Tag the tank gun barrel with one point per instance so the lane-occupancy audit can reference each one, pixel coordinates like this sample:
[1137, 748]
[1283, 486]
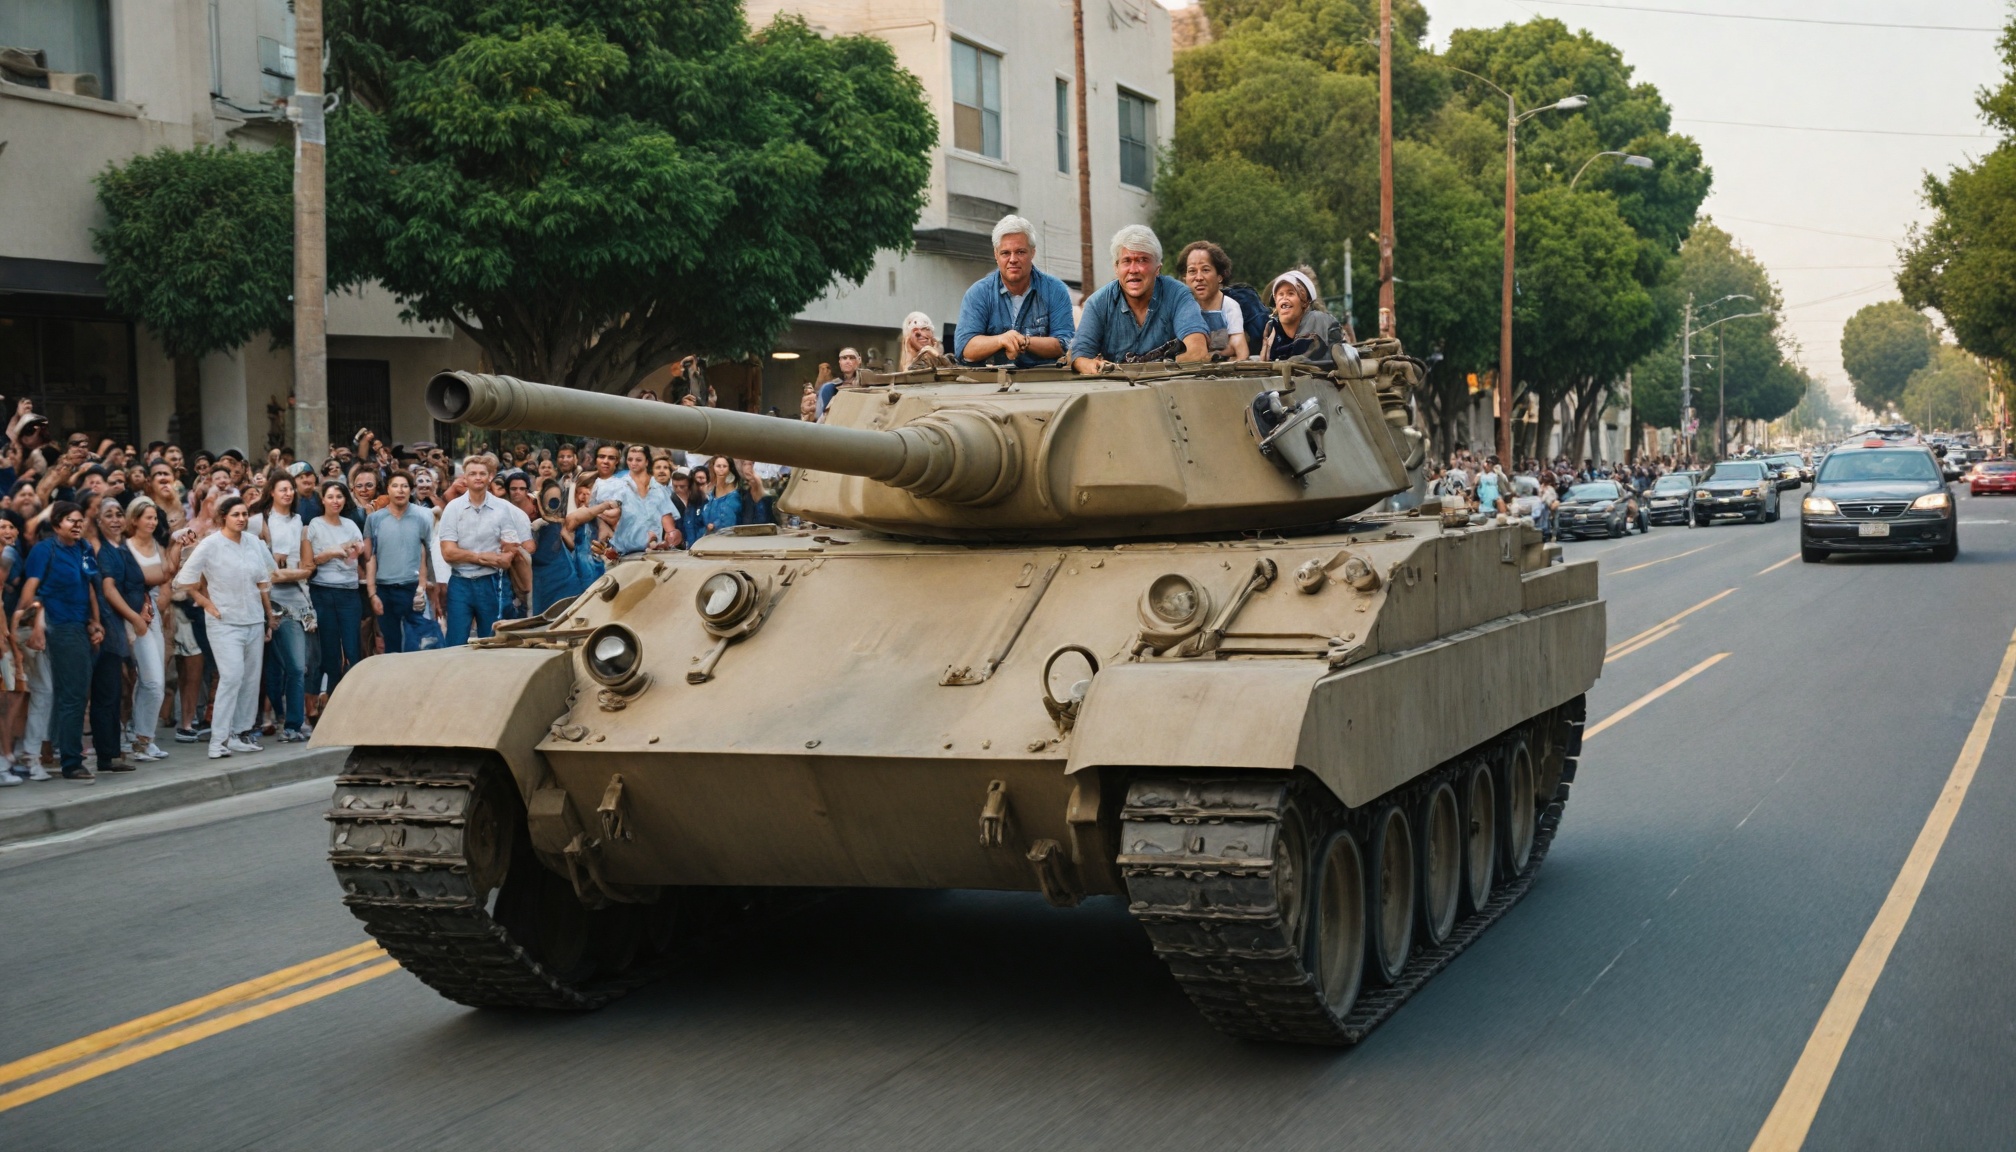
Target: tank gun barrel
[960, 456]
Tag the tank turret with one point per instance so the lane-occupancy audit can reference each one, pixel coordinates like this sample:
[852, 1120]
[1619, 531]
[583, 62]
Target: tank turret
[1152, 450]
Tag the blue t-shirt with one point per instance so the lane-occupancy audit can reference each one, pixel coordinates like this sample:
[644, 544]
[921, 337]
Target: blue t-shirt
[68, 574]
[988, 310]
[1107, 329]
[642, 516]
[118, 565]
[1487, 491]
[693, 522]
[724, 511]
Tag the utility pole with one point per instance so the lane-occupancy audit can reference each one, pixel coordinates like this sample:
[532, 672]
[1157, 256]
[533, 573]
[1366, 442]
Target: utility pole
[1687, 375]
[1387, 320]
[311, 355]
[1085, 277]
[1505, 298]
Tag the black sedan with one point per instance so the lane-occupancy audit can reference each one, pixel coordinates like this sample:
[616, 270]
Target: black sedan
[1879, 499]
[1670, 500]
[1791, 469]
[1598, 508]
[1736, 488]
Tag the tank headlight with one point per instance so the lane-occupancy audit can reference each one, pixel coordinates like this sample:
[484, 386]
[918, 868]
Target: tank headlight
[726, 599]
[1172, 608]
[614, 656]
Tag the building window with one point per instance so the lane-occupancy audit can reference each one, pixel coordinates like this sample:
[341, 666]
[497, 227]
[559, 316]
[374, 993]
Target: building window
[1137, 140]
[276, 51]
[976, 100]
[360, 396]
[72, 360]
[72, 39]
[1063, 126]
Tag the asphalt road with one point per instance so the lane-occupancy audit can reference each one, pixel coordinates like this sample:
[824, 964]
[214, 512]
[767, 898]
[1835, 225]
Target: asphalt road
[1726, 849]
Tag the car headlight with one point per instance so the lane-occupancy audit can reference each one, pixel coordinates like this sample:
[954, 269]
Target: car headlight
[1932, 501]
[1818, 506]
[1703, 494]
[1749, 491]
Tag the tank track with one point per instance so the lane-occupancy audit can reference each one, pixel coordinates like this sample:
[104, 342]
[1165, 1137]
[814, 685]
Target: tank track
[401, 846]
[1197, 859]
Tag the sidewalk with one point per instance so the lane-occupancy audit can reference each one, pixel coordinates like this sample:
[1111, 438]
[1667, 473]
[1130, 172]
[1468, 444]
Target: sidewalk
[187, 776]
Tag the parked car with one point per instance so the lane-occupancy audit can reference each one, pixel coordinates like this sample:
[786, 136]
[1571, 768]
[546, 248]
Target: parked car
[1736, 488]
[1598, 508]
[1789, 466]
[1670, 500]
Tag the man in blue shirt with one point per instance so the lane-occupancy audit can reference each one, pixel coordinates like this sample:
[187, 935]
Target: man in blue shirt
[1016, 314]
[1140, 310]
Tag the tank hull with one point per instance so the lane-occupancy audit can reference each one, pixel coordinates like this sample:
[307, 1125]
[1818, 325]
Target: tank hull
[853, 738]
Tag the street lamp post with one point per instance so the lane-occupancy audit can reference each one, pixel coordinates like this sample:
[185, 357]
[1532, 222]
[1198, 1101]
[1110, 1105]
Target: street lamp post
[1513, 118]
[1687, 334]
[1629, 159]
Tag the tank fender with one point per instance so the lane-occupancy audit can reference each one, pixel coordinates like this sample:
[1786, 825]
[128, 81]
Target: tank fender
[430, 700]
[1195, 714]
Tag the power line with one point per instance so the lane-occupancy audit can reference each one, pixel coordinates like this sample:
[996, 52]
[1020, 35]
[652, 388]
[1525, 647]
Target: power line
[1804, 228]
[1853, 131]
[1769, 19]
[1839, 296]
[1826, 267]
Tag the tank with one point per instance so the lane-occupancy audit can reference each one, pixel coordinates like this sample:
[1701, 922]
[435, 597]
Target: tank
[1145, 635]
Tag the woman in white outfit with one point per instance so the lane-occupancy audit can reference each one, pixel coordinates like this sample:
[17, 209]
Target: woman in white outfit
[230, 577]
[150, 648]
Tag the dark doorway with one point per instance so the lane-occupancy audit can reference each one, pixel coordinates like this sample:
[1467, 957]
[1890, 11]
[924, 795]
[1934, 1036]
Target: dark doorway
[360, 396]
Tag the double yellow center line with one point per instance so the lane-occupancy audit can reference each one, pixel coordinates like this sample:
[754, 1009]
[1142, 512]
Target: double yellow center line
[123, 1045]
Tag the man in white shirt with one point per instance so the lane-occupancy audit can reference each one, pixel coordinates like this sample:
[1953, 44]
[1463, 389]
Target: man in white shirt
[477, 533]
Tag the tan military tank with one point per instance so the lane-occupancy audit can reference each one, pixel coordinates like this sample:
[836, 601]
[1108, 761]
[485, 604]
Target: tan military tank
[1133, 635]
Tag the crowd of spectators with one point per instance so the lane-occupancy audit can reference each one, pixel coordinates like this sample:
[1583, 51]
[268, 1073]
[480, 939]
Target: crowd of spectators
[1535, 489]
[157, 597]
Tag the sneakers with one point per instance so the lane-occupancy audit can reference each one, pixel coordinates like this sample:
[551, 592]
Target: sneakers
[218, 752]
[9, 780]
[293, 736]
[150, 751]
[187, 735]
[234, 744]
[38, 773]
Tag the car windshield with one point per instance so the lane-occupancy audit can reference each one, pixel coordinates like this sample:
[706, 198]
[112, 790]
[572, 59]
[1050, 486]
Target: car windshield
[1599, 491]
[1735, 470]
[1672, 484]
[1786, 461]
[1878, 465]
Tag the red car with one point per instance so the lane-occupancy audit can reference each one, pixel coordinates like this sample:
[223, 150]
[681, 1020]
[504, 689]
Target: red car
[1992, 476]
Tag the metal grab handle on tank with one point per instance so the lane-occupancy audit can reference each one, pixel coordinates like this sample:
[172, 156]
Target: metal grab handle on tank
[959, 455]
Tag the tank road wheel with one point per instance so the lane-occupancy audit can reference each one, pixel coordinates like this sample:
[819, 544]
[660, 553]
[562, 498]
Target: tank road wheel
[1339, 938]
[431, 851]
[1520, 809]
[1480, 834]
[1392, 889]
[1441, 864]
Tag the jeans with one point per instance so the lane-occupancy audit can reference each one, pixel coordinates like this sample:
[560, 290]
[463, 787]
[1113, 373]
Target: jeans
[471, 596]
[398, 602]
[339, 615]
[69, 661]
[235, 708]
[287, 676]
[150, 660]
[108, 689]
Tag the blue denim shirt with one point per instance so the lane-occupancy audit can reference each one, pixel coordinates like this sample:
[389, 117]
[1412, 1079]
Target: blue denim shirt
[987, 310]
[1107, 327]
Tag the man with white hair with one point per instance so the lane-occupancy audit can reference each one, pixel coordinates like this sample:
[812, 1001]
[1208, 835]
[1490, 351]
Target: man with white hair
[1016, 314]
[1140, 310]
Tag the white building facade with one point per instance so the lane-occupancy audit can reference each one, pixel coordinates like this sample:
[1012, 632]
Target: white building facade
[91, 83]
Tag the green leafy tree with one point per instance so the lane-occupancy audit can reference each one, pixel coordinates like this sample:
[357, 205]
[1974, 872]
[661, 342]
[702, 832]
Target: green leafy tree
[586, 187]
[1950, 392]
[1881, 346]
[198, 245]
[1964, 262]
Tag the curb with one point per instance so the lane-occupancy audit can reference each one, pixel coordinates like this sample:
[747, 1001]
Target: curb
[85, 811]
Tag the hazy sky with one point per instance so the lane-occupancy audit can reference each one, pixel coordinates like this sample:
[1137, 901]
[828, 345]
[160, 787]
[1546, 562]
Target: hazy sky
[1784, 191]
